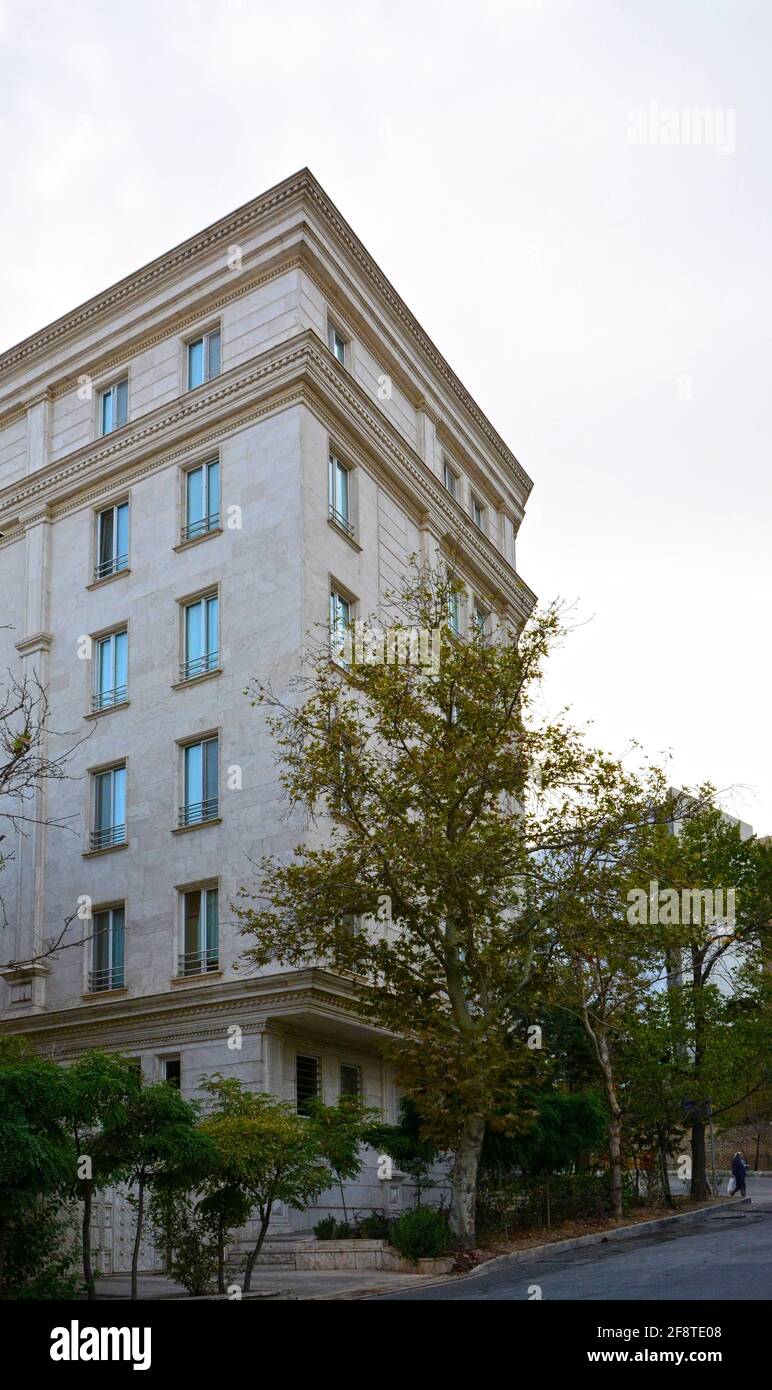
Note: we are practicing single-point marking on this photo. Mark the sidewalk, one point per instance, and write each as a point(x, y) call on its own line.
point(271, 1283)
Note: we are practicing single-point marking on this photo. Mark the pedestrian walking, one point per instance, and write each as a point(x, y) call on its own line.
point(739, 1170)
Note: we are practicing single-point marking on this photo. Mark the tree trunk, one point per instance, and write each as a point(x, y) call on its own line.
point(667, 1194)
point(221, 1254)
point(88, 1273)
point(467, 1161)
point(343, 1200)
point(699, 1188)
point(137, 1236)
point(252, 1257)
point(615, 1160)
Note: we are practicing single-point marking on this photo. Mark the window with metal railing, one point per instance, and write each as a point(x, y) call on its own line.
point(202, 500)
point(200, 782)
point(200, 637)
point(112, 541)
point(340, 494)
point(109, 825)
point(200, 946)
point(107, 950)
point(111, 665)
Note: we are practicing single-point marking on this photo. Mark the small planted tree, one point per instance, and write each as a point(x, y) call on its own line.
point(153, 1140)
point(339, 1132)
point(100, 1086)
point(37, 1154)
point(265, 1151)
point(404, 1143)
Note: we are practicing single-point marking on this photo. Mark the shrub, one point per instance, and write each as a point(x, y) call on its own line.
point(325, 1229)
point(376, 1226)
point(421, 1234)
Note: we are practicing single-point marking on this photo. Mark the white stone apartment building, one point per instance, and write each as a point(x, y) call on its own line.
point(191, 464)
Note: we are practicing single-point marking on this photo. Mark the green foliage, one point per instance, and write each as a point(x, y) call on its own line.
point(191, 1230)
point(375, 1226)
point(421, 1234)
point(566, 1128)
point(42, 1254)
point(326, 1228)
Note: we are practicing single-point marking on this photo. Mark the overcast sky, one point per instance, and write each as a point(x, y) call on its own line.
point(527, 173)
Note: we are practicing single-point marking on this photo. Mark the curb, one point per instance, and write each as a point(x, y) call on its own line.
point(598, 1237)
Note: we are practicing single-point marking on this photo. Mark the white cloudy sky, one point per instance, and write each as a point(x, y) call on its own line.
point(608, 303)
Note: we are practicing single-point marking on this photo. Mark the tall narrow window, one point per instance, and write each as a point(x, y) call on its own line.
point(340, 622)
point(112, 541)
point(201, 621)
point(481, 618)
point(307, 1082)
point(454, 612)
point(340, 510)
point(200, 932)
point(201, 802)
point(109, 808)
point(449, 478)
point(202, 500)
point(203, 358)
point(171, 1072)
point(350, 1080)
point(111, 670)
point(114, 406)
point(478, 514)
point(107, 949)
point(337, 344)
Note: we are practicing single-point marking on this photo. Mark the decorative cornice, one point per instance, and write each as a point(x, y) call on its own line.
point(38, 642)
point(302, 184)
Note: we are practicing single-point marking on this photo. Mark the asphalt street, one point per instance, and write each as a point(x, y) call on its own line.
point(726, 1255)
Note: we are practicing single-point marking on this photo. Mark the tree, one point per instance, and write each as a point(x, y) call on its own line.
point(150, 1141)
point(339, 1132)
point(25, 764)
point(264, 1150)
point(37, 1155)
point(565, 1126)
point(100, 1086)
point(404, 1142)
point(421, 774)
point(700, 858)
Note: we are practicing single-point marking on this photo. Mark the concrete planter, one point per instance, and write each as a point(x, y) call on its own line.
point(355, 1254)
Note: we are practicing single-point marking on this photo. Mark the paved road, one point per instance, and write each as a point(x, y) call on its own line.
point(725, 1255)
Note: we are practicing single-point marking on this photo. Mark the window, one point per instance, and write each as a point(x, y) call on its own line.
point(340, 623)
point(200, 801)
point(340, 511)
point(454, 611)
point(107, 949)
point(203, 359)
point(114, 406)
point(450, 479)
point(201, 623)
point(202, 500)
point(111, 670)
point(478, 514)
point(350, 1080)
point(171, 1071)
point(337, 344)
point(481, 616)
point(200, 932)
point(307, 1082)
point(112, 541)
point(109, 808)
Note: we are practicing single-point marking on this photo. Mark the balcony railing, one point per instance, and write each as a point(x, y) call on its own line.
point(110, 978)
point(104, 699)
point(193, 529)
point(197, 811)
point(341, 520)
point(199, 962)
point(199, 665)
point(105, 567)
point(108, 835)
